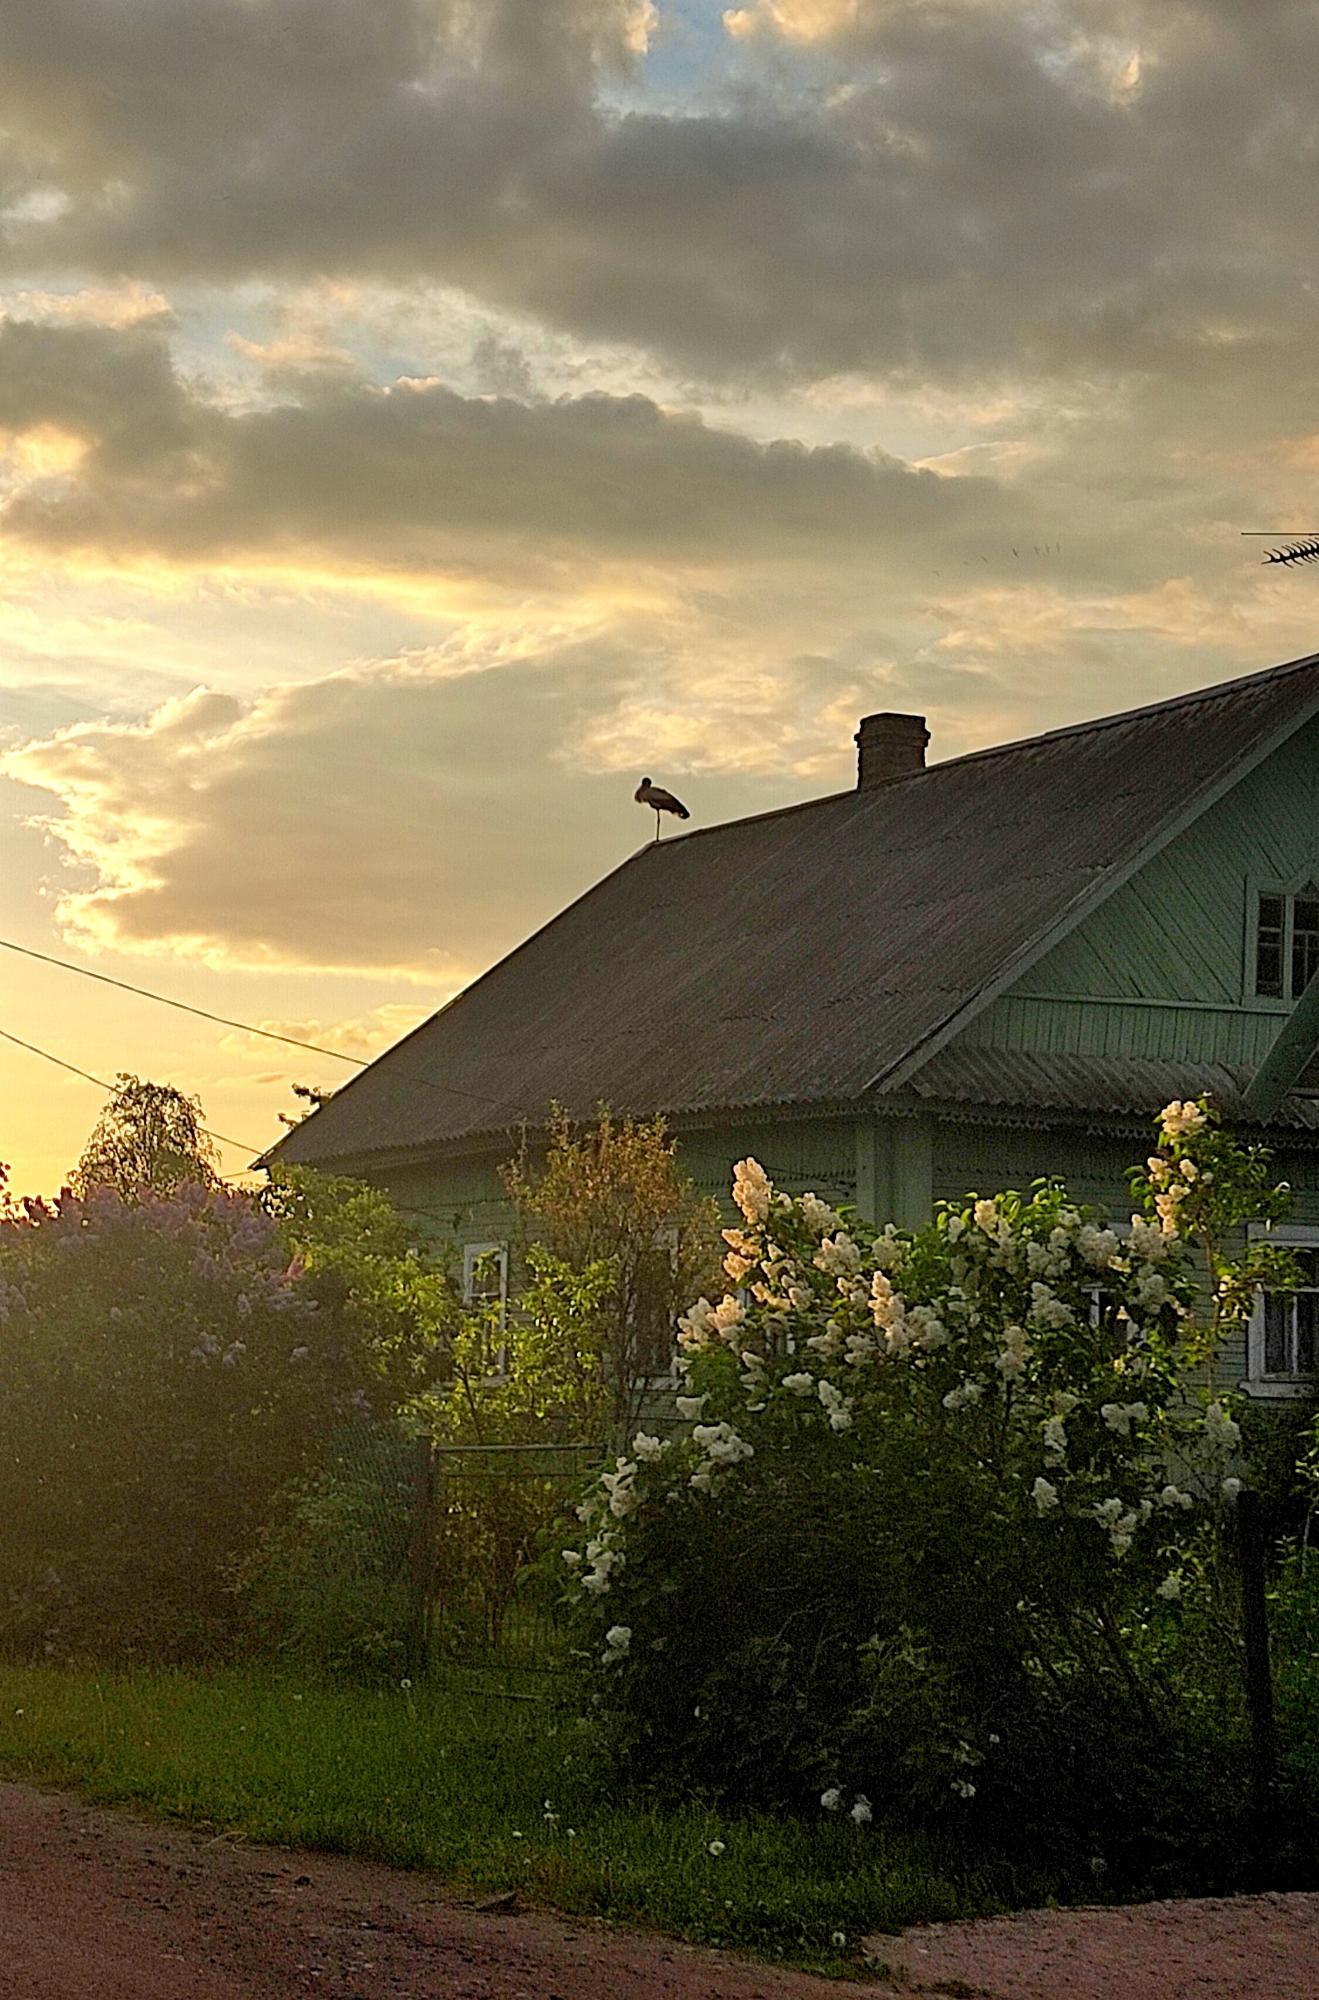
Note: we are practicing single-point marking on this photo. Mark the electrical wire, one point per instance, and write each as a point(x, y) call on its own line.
point(240, 1145)
point(249, 1028)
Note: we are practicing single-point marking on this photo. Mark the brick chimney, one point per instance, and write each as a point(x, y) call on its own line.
point(889, 746)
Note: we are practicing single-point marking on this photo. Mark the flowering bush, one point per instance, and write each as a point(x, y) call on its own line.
point(165, 1368)
point(935, 1488)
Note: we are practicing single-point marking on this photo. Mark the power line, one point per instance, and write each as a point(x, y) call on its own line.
point(404, 1207)
point(249, 1028)
point(183, 1006)
point(240, 1144)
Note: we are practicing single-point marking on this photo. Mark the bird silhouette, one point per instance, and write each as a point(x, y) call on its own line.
point(659, 802)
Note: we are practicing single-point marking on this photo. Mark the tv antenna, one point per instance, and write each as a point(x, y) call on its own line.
point(1298, 545)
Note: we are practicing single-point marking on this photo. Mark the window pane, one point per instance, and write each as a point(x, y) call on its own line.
point(1277, 1327)
point(1307, 1332)
point(1305, 943)
point(1268, 948)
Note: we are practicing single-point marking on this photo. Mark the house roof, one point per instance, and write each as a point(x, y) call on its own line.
point(821, 953)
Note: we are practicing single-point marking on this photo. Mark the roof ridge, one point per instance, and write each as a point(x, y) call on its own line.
point(1217, 692)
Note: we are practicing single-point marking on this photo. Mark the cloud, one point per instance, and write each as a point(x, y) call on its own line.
point(410, 476)
point(892, 187)
point(418, 818)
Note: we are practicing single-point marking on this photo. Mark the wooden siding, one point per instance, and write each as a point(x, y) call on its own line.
point(1160, 970)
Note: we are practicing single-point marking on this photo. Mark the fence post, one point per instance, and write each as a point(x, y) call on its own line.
point(421, 1558)
point(1250, 1538)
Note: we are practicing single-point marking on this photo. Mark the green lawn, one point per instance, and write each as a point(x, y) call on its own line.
point(489, 1793)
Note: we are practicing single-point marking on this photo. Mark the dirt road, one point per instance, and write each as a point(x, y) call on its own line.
point(102, 1906)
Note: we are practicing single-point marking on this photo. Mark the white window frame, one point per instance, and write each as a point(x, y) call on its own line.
point(474, 1254)
point(1302, 886)
point(1276, 1388)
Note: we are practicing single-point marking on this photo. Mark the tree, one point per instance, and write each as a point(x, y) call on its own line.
point(149, 1137)
point(612, 1207)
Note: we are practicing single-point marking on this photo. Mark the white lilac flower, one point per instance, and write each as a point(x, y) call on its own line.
point(1172, 1496)
point(1120, 1416)
point(1180, 1120)
point(691, 1407)
point(818, 1215)
point(1231, 1488)
point(1171, 1587)
point(861, 1812)
point(838, 1256)
point(1055, 1440)
point(618, 1639)
point(648, 1448)
point(1046, 1308)
point(886, 1250)
point(752, 1190)
point(1097, 1246)
point(717, 1847)
point(693, 1327)
point(832, 1799)
point(1166, 1207)
point(964, 1788)
point(887, 1309)
point(573, 1558)
point(799, 1385)
point(721, 1443)
point(965, 1393)
point(1044, 1495)
point(1146, 1243)
point(726, 1319)
point(838, 1939)
point(927, 1329)
point(1219, 1429)
point(1015, 1353)
point(985, 1216)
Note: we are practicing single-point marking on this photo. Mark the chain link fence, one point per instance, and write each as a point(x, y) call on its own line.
point(447, 1551)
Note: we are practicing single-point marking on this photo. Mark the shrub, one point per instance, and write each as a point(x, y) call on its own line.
point(165, 1370)
point(924, 1550)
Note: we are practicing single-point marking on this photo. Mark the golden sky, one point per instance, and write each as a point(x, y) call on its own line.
point(418, 421)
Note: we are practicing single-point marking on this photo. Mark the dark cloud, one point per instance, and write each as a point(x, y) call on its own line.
point(934, 187)
point(415, 477)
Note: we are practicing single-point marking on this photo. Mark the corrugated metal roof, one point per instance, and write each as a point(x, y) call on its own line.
point(800, 955)
point(1135, 1085)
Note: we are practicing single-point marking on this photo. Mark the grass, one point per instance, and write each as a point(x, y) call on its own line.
point(490, 1792)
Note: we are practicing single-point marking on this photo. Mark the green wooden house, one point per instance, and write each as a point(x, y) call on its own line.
point(954, 977)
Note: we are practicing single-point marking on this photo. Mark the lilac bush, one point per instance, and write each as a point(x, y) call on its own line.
point(937, 1490)
point(165, 1369)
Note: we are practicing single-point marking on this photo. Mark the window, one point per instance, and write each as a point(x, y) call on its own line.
point(1286, 942)
point(1269, 933)
point(1284, 1328)
point(485, 1283)
point(1305, 942)
point(485, 1275)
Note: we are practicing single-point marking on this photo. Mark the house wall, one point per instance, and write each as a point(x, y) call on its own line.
point(1163, 968)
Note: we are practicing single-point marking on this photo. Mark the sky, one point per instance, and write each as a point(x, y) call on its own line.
point(419, 421)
